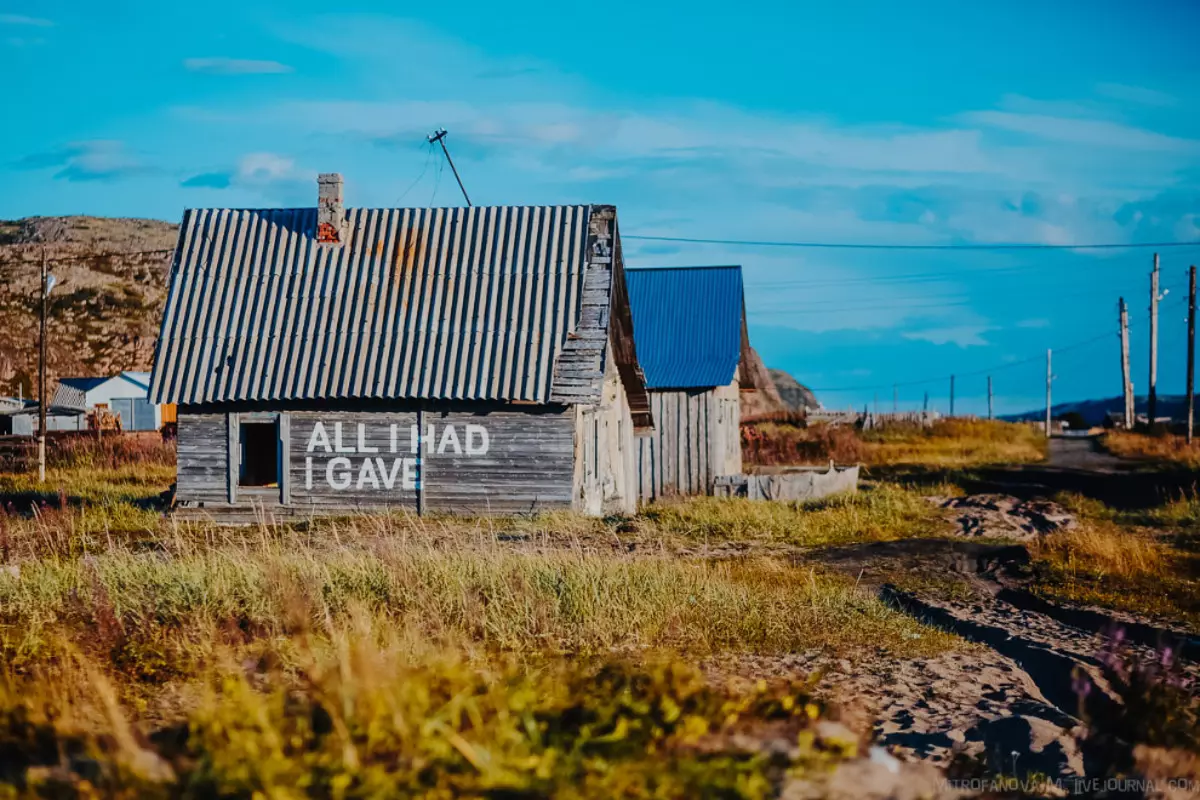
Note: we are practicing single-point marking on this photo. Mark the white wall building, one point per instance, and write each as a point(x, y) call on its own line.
point(123, 394)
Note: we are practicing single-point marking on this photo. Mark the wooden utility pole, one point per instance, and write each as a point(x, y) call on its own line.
point(1153, 402)
point(991, 415)
point(41, 440)
point(1126, 382)
point(439, 136)
point(1049, 380)
point(925, 407)
point(952, 395)
point(1191, 352)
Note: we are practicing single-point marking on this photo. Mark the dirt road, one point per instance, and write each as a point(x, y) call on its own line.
point(1084, 453)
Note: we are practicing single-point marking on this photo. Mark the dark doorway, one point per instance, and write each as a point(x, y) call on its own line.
point(260, 454)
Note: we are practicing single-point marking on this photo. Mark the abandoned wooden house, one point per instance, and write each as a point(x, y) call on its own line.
point(690, 327)
point(452, 360)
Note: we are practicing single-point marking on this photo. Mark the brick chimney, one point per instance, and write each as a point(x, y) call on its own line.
point(331, 211)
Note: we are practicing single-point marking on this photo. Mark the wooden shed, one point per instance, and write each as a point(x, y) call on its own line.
point(692, 342)
point(451, 360)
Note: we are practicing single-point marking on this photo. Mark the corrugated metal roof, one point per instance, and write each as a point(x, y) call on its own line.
point(71, 392)
point(687, 324)
point(453, 303)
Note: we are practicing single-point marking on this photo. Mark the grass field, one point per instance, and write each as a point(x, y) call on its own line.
point(1146, 562)
point(945, 443)
point(445, 657)
point(1164, 449)
point(435, 657)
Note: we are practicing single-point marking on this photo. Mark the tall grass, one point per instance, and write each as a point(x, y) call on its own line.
point(157, 608)
point(949, 442)
point(1164, 448)
point(880, 512)
point(1123, 567)
point(402, 716)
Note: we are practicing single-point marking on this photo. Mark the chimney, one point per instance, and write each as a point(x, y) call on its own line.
point(331, 212)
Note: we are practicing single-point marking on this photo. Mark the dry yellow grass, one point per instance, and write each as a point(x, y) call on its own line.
point(1164, 448)
point(1120, 566)
point(946, 443)
point(955, 443)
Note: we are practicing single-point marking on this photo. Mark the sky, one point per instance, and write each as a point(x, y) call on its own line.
point(869, 123)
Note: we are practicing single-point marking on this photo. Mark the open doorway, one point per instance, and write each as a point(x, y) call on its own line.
point(260, 454)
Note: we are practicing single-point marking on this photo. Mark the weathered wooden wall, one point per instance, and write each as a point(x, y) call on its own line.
point(606, 467)
point(696, 439)
point(203, 459)
point(330, 472)
point(528, 466)
point(463, 461)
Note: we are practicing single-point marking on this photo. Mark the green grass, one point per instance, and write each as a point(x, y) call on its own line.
point(879, 512)
point(561, 601)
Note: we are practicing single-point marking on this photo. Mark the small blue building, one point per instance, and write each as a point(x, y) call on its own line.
point(689, 326)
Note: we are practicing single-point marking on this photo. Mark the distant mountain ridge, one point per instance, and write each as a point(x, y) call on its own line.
point(1095, 411)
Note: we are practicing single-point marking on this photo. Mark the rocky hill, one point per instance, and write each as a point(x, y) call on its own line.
point(794, 394)
point(105, 307)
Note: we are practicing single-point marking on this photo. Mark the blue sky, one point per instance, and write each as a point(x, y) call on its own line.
point(927, 123)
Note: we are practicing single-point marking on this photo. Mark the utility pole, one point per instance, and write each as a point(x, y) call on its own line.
point(895, 399)
point(1191, 352)
point(952, 395)
point(1049, 380)
point(41, 440)
point(990, 414)
point(925, 407)
point(1154, 343)
point(1126, 382)
point(439, 136)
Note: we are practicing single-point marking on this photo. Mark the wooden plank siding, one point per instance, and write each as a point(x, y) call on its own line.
point(202, 459)
point(528, 466)
point(327, 469)
point(696, 439)
point(605, 450)
point(489, 461)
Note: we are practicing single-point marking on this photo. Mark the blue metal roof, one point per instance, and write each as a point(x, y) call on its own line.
point(687, 324)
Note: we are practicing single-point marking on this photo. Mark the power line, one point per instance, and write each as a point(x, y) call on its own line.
point(861, 246)
point(986, 371)
point(424, 169)
point(923, 277)
point(901, 303)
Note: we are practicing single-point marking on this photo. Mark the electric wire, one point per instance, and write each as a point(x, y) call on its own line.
point(881, 246)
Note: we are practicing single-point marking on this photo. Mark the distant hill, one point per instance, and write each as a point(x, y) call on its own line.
point(1094, 411)
point(796, 395)
point(105, 308)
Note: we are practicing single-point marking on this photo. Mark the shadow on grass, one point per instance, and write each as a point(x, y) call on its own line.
point(1126, 491)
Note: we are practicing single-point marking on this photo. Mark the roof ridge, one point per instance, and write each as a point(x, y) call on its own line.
point(694, 266)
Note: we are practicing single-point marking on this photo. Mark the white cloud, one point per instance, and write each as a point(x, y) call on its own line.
point(265, 167)
point(961, 335)
point(691, 167)
point(1091, 132)
point(19, 19)
point(234, 66)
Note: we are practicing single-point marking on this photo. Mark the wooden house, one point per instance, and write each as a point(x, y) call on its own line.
point(453, 360)
point(690, 329)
